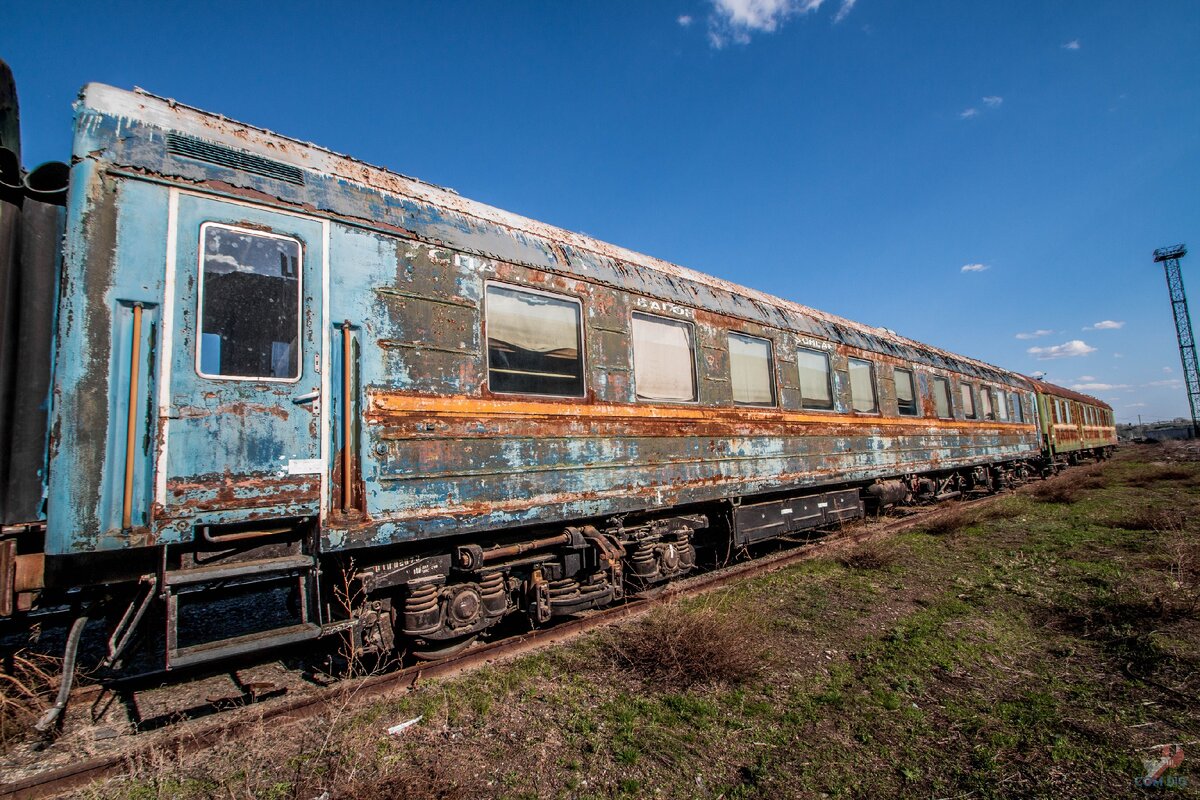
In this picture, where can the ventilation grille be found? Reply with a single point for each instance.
(190, 147)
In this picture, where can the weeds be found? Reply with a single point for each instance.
(25, 680)
(950, 520)
(1156, 474)
(867, 557)
(684, 648)
(1056, 490)
(1144, 518)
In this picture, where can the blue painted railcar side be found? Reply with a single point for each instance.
(405, 264)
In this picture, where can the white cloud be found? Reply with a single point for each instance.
(1136, 405)
(1087, 378)
(1071, 349)
(1099, 387)
(1173, 383)
(1106, 325)
(847, 6)
(973, 267)
(684, 20)
(1039, 333)
(992, 101)
(1071, 45)
(1167, 370)
(735, 20)
(968, 113)
(1118, 355)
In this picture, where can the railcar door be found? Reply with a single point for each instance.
(242, 432)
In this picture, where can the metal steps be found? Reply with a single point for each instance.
(270, 571)
(240, 645)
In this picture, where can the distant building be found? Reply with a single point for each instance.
(1163, 431)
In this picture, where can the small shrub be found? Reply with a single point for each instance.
(1149, 519)
(950, 520)
(1003, 510)
(1056, 490)
(683, 648)
(871, 556)
(1152, 475)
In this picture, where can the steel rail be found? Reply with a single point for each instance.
(224, 728)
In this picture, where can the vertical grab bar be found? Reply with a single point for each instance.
(347, 421)
(135, 359)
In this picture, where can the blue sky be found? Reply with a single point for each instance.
(960, 172)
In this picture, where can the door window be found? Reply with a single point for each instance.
(250, 300)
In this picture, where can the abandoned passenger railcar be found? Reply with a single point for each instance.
(278, 366)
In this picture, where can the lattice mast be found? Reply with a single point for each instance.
(1169, 257)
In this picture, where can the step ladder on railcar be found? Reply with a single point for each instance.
(301, 568)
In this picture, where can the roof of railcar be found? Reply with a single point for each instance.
(1071, 394)
(170, 115)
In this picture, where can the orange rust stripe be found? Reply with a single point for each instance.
(460, 405)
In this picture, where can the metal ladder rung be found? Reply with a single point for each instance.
(265, 567)
(238, 645)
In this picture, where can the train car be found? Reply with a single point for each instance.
(1074, 426)
(401, 415)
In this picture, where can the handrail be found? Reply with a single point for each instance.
(131, 418)
(347, 421)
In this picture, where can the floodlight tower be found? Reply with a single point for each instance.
(1169, 258)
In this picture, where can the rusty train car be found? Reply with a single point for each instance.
(404, 416)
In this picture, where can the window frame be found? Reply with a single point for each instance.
(582, 329)
(774, 403)
(691, 325)
(826, 354)
(300, 332)
(1000, 405)
(916, 395)
(974, 415)
(949, 397)
(874, 385)
(987, 403)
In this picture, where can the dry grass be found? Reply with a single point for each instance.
(1156, 474)
(949, 520)
(685, 649)
(1149, 519)
(870, 556)
(1056, 490)
(25, 680)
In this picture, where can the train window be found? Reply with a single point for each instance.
(941, 398)
(968, 400)
(750, 370)
(249, 304)
(534, 343)
(1001, 405)
(906, 393)
(862, 386)
(986, 404)
(1018, 407)
(815, 391)
(663, 360)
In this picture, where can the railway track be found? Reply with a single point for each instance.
(195, 735)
